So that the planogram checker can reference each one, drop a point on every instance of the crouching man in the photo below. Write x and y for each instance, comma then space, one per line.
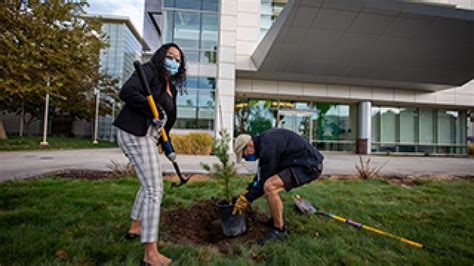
286, 161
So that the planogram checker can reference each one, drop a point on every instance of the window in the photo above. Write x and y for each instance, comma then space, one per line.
329, 126
192, 24
196, 106
422, 130
269, 11
389, 124
408, 129
426, 126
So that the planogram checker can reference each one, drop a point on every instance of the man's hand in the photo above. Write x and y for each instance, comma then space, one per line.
241, 203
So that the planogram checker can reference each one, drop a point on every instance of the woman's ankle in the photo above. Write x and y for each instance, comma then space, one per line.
134, 227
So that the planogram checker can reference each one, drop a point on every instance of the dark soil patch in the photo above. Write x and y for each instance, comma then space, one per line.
400, 180
193, 177
97, 174
86, 174
200, 225
406, 181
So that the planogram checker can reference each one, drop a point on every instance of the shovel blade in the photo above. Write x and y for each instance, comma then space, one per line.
304, 206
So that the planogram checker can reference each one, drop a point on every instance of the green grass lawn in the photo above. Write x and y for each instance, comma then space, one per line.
87, 220
33, 143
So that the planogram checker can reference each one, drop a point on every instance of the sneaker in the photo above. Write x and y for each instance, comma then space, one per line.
274, 234
268, 222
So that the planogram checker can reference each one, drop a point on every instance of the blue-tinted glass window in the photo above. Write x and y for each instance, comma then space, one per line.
209, 57
188, 4
192, 82
206, 99
168, 24
169, 3
191, 55
210, 5
207, 83
188, 99
195, 31
209, 31
196, 107
186, 30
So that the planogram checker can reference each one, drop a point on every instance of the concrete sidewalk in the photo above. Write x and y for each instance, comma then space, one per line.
25, 164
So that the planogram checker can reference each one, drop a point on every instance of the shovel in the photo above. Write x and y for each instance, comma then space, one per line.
305, 207
166, 143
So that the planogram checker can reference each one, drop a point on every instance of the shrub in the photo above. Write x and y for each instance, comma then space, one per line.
196, 143
121, 170
225, 169
365, 171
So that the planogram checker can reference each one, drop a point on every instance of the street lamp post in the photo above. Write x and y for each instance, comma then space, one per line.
113, 116
46, 112
96, 122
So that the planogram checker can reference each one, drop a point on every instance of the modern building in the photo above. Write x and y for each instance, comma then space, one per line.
193, 25
125, 46
362, 76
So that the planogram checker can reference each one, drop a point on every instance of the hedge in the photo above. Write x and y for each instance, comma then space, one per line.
195, 143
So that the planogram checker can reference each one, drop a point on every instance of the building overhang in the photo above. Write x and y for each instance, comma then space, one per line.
377, 43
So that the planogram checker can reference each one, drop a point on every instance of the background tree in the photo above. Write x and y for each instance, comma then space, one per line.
46, 46
261, 116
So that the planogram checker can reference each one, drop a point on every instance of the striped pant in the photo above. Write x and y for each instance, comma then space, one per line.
143, 154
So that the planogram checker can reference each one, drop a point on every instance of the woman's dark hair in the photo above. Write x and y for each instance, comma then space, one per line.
158, 59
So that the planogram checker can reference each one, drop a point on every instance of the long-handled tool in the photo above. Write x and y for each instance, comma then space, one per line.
305, 207
165, 140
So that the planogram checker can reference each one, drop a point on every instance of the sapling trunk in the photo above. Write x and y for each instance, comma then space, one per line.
232, 225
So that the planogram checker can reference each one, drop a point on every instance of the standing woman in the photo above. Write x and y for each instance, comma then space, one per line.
137, 137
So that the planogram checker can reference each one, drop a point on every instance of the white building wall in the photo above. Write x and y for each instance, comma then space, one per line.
466, 4
225, 87
248, 32
247, 38
309, 91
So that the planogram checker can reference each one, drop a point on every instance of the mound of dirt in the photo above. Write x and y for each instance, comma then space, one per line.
200, 225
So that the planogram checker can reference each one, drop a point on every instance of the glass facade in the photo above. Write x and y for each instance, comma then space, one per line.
422, 130
335, 126
328, 126
124, 48
197, 104
117, 61
269, 11
192, 24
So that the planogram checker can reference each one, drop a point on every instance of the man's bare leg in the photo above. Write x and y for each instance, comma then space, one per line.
272, 187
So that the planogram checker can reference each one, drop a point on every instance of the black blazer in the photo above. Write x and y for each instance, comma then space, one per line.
136, 115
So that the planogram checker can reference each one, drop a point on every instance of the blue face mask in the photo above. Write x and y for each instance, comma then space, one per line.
172, 66
250, 157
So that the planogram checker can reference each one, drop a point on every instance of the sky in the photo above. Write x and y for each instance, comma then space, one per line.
130, 8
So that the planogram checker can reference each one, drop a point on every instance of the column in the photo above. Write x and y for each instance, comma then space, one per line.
225, 87
365, 127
